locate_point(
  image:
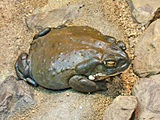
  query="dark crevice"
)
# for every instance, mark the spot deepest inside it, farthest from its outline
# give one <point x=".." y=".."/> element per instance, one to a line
<point x="156" y="16"/>
<point x="133" y="116"/>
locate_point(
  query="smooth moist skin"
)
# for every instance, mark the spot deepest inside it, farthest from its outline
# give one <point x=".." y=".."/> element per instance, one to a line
<point x="65" y="57"/>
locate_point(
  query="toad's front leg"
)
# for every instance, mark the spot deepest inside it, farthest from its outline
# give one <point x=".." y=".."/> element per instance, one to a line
<point x="82" y="84"/>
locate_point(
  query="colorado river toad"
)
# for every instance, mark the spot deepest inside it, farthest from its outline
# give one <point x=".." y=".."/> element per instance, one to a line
<point x="65" y="57"/>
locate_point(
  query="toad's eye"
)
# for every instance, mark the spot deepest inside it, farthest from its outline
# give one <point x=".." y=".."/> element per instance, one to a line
<point x="109" y="63"/>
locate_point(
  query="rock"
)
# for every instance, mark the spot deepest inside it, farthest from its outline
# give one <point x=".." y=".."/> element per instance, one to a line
<point x="147" y="91"/>
<point x="67" y="105"/>
<point x="144" y="11"/>
<point x="15" y="96"/>
<point x="122" y="108"/>
<point x="53" y="18"/>
<point x="147" y="51"/>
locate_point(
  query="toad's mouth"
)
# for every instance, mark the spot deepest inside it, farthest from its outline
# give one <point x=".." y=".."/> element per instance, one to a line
<point x="108" y="72"/>
<point x="100" y="76"/>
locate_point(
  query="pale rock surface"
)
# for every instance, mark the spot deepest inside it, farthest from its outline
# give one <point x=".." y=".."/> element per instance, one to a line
<point x="15" y="97"/>
<point x="122" y="108"/>
<point x="53" y="18"/>
<point x="147" y="91"/>
<point x="147" y="51"/>
<point x="144" y="11"/>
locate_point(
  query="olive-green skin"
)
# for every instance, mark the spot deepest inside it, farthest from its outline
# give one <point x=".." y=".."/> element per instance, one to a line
<point x="77" y="50"/>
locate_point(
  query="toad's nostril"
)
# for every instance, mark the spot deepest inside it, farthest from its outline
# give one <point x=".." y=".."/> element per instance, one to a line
<point x="121" y="62"/>
<point x="124" y="63"/>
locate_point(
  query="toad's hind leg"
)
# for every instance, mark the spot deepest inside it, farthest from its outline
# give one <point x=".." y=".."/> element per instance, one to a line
<point x="82" y="84"/>
<point x="22" y="69"/>
<point x="46" y="31"/>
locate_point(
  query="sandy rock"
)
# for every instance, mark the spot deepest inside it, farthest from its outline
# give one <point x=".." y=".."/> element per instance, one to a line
<point x="15" y="96"/>
<point x="122" y="108"/>
<point x="144" y="11"/>
<point x="147" y="51"/>
<point x="147" y="91"/>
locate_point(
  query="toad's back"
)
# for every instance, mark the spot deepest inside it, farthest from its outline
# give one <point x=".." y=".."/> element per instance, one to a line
<point x="55" y="55"/>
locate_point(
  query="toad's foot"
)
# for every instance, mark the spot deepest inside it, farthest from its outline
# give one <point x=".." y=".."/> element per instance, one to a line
<point x="22" y="69"/>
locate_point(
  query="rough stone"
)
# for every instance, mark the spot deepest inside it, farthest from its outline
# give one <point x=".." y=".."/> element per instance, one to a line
<point x="53" y="18"/>
<point x="67" y="105"/>
<point x="15" y="97"/>
<point x="147" y="51"/>
<point x="147" y="91"/>
<point x="122" y="108"/>
<point x="145" y="11"/>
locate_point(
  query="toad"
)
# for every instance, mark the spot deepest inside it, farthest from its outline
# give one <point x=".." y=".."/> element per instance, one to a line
<point x="72" y="57"/>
